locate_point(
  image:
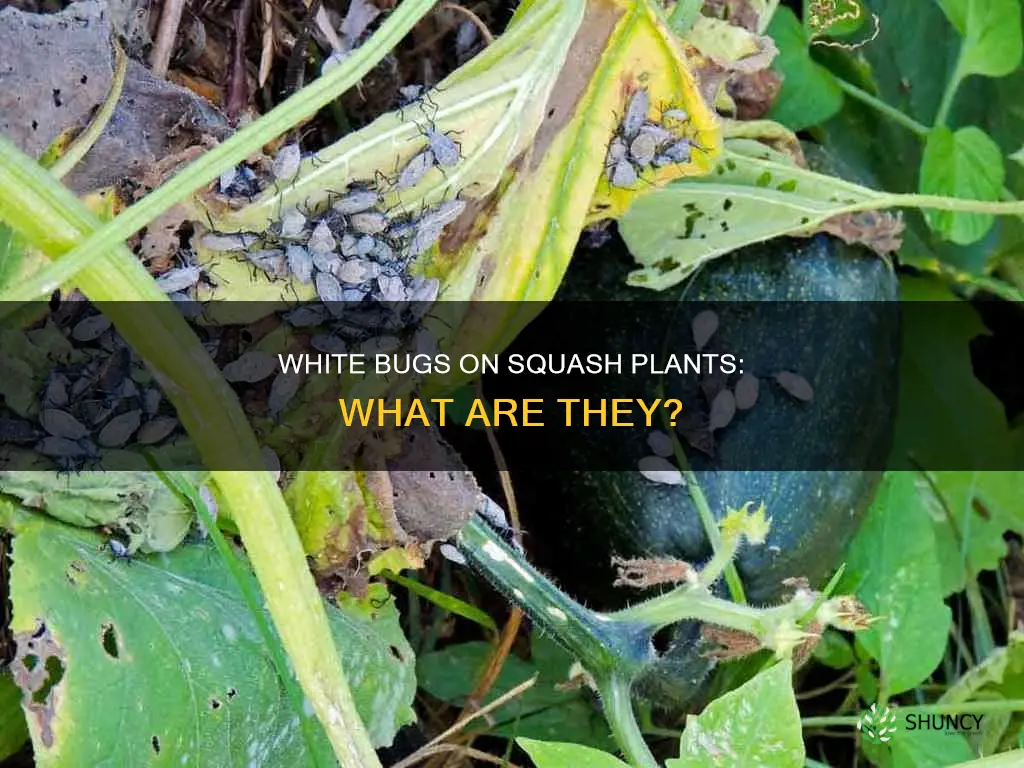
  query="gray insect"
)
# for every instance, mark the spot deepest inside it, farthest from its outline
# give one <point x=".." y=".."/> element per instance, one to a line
<point x="226" y="243"/>
<point x="382" y="251"/>
<point x="326" y="262"/>
<point x="446" y="150"/>
<point x="255" y="365"/>
<point x="659" y="134"/>
<point x="272" y="262"/>
<point x="443" y="214"/>
<point x="681" y="151"/>
<point x="187" y="306"/>
<point x="91" y="328"/>
<point x="328" y="344"/>
<point x="156" y="429"/>
<point x="424" y="289"/>
<point x="643" y="148"/>
<point x="328" y="288"/>
<point x="415" y="169"/>
<point x="308" y="316"/>
<point x="348" y="245"/>
<point x="151" y="401"/>
<point x="622" y="174"/>
<point x="353" y="294"/>
<point x="119" y="429"/>
<point x="322" y="240"/>
<point x="66" y="448"/>
<point x="392" y="288"/>
<point x="271" y="461"/>
<point x="227" y="180"/>
<point x="181" y="279"/>
<point x="293" y="224"/>
<point x="282" y="390"/>
<point x="636" y="113"/>
<point x="18" y="432"/>
<point x="451" y="554"/>
<point x="676" y="113"/>
<point x="286" y="162"/>
<point x="365" y="246"/>
<point x="300" y="263"/>
<point x="62" y="424"/>
<point x="357" y="201"/>
<point x="353" y="271"/>
<point x="369" y="222"/>
<point x="55" y="393"/>
<point x="119" y="551"/>
<point x="426" y="236"/>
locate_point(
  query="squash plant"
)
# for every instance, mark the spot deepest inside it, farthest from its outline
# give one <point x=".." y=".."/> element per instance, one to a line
<point x="537" y="113"/>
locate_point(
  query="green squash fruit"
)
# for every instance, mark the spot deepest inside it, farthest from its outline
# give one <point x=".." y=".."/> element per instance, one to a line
<point x="577" y="520"/>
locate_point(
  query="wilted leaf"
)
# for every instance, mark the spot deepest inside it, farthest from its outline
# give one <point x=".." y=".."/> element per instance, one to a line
<point x="136" y="504"/>
<point x="893" y="566"/>
<point x="172" y="635"/>
<point x="796" y="386"/>
<point x="756" y="724"/>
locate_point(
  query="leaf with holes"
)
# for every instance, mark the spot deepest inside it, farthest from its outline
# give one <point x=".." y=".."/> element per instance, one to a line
<point x="756" y="724"/>
<point x="962" y="164"/>
<point x="748" y="199"/>
<point x="169" y="643"/>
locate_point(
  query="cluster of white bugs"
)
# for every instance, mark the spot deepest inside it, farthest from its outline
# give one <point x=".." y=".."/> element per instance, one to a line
<point x="640" y="143"/>
<point x="102" y="397"/>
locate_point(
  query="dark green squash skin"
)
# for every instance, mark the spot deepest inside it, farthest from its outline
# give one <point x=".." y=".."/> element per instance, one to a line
<point x="577" y="521"/>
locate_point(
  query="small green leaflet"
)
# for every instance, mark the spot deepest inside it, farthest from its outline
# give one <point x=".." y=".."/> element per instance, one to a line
<point x="557" y="754"/>
<point x="991" y="31"/>
<point x="892" y="563"/>
<point x="748" y="199"/>
<point x="965" y="164"/>
<point x="919" y="749"/>
<point x="756" y="726"/>
<point x="809" y="93"/>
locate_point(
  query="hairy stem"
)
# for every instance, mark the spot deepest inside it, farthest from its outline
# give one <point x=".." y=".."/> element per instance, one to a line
<point x="618" y="709"/>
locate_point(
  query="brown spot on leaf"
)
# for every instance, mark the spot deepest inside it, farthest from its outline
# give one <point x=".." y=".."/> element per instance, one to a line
<point x="38" y="669"/>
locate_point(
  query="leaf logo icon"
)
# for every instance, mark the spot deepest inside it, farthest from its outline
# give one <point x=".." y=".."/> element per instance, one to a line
<point x="877" y="726"/>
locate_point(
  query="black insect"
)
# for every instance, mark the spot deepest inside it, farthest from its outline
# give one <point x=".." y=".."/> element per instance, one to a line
<point x="119" y="552"/>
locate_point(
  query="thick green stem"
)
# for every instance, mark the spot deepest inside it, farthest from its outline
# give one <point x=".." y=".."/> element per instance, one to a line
<point x="618" y="709"/>
<point x="52" y="219"/>
<point x="603" y="646"/>
<point x="695" y="602"/>
<point x="950" y="93"/>
<point x="886" y="109"/>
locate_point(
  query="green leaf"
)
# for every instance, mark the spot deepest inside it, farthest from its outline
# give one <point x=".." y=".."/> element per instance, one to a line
<point x="171" y="636"/>
<point x="443" y="600"/>
<point x="964" y="164"/>
<point x="992" y="35"/>
<point x="892" y="564"/>
<point x="541" y="712"/>
<point x="12" y="254"/>
<point x="756" y="726"/>
<point x="809" y="93"/>
<point x="555" y="754"/>
<point x="834" y="651"/>
<point x="920" y="748"/>
<point x="137" y="505"/>
<point x="946" y="417"/>
<point x="13" y="730"/>
<point x="971" y="512"/>
<point x="749" y="199"/>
